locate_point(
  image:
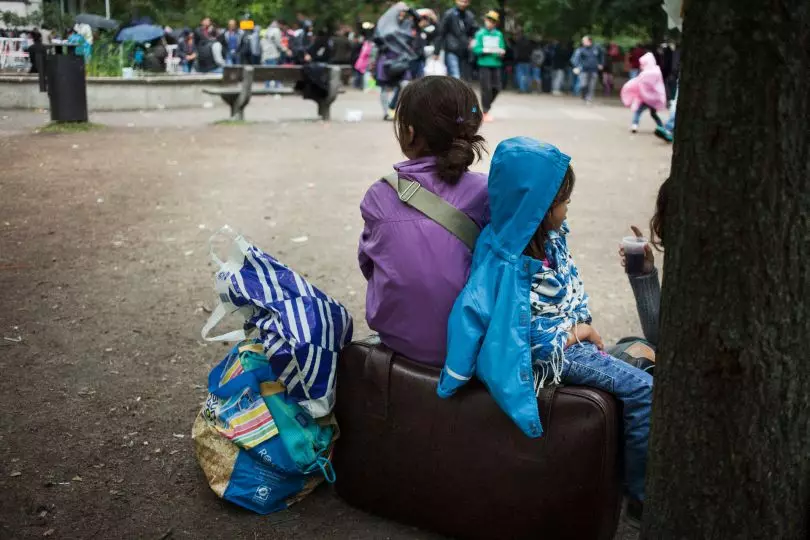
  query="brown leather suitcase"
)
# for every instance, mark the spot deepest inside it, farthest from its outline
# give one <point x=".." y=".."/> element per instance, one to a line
<point x="460" y="467"/>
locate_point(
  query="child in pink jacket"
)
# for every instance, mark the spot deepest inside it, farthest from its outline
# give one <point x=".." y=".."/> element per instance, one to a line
<point x="646" y="91"/>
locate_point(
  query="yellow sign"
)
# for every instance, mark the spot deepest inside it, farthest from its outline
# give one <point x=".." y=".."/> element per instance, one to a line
<point x="246" y="25"/>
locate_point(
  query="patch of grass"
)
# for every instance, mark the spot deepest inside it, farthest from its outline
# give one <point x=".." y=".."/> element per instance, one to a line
<point x="230" y="122"/>
<point x="70" y="127"/>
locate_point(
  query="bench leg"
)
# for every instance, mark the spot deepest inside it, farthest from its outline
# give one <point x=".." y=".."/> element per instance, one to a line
<point x="238" y="111"/>
<point x="325" y="105"/>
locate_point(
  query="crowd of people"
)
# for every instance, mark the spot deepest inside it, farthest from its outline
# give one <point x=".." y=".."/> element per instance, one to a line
<point x="462" y="46"/>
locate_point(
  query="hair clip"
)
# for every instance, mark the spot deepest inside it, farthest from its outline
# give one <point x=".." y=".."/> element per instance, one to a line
<point x="475" y="110"/>
<point x="459" y="120"/>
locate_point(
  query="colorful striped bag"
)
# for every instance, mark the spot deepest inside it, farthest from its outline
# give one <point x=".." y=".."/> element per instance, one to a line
<point x="302" y="329"/>
<point x="259" y="448"/>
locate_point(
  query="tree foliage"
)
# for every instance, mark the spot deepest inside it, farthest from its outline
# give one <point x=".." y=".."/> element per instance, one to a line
<point x="559" y="18"/>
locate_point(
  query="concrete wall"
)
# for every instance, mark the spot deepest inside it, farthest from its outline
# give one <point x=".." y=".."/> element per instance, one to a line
<point x="114" y="94"/>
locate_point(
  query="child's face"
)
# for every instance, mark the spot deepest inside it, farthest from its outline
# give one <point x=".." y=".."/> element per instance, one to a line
<point x="489" y="23"/>
<point x="555" y="218"/>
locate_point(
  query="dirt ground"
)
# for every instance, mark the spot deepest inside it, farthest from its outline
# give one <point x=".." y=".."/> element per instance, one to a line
<point x="106" y="282"/>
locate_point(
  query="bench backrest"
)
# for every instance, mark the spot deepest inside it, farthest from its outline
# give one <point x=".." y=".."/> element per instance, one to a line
<point x="288" y="74"/>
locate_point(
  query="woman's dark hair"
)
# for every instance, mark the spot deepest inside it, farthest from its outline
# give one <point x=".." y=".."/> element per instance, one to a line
<point x="445" y="116"/>
<point x="657" y="222"/>
<point x="536" y="248"/>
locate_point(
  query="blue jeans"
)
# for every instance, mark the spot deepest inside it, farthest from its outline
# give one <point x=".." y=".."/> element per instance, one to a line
<point x="523" y="75"/>
<point x="574" y="82"/>
<point x="653" y="113"/>
<point x="587" y="84"/>
<point x="418" y="68"/>
<point x="585" y="365"/>
<point x="453" y="65"/>
<point x="670" y="125"/>
<point x="537" y="77"/>
<point x="271" y="62"/>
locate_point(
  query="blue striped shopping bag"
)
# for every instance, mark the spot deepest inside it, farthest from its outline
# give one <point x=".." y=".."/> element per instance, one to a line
<point x="301" y="328"/>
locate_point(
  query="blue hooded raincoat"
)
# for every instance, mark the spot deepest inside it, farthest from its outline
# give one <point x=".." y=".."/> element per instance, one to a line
<point x="488" y="332"/>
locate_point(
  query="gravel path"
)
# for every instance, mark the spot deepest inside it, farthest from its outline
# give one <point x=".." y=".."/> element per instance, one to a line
<point x="106" y="283"/>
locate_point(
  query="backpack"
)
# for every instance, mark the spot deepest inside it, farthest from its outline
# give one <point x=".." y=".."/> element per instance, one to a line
<point x="538" y="57"/>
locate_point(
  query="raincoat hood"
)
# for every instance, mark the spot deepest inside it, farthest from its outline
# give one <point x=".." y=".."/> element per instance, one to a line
<point x="524" y="179"/>
<point x="393" y="33"/>
<point x="648" y="88"/>
<point x="489" y="328"/>
<point x="647" y="61"/>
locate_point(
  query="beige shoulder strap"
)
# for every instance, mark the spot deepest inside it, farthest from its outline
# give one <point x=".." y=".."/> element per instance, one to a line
<point x="435" y="208"/>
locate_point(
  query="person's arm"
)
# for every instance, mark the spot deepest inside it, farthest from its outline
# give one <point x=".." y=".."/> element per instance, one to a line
<point x="441" y="33"/>
<point x="575" y="58"/>
<point x="647" y="290"/>
<point x="216" y="51"/>
<point x="472" y="24"/>
<point x="503" y="43"/>
<point x="478" y="45"/>
<point x="465" y="334"/>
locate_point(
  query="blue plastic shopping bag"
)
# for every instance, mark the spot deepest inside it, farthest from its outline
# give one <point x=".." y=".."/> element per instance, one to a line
<point x="257" y="447"/>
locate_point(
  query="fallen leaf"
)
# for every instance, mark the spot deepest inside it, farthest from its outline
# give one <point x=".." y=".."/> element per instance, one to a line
<point x="49" y="532"/>
<point x="15" y="473"/>
<point x="300" y="239"/>
<point x="77" y="478"/>
<point x="178" y="436"/>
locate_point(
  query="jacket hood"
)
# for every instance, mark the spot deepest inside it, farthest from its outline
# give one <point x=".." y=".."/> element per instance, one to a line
<point x="524" y="178"/>
<point x="647" y="61"/>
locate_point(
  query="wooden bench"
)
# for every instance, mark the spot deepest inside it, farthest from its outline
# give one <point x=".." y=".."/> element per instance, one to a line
<point x="238" y="88"/>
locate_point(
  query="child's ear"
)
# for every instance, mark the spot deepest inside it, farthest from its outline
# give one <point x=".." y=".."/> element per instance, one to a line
<point x="411" y="136"/>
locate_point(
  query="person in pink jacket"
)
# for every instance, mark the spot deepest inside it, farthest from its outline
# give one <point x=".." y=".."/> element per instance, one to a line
<point x="647" y="91"/>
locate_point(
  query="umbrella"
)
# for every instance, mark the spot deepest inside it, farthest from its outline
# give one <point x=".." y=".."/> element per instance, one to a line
<point x="141" y="33"/>
<point x="96" y="21"/>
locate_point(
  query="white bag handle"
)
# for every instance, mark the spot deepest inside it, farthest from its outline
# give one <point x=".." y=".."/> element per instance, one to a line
<point x="239" y="250"/>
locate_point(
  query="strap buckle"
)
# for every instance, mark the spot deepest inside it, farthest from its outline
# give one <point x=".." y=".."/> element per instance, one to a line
<point x="409" y="191"/>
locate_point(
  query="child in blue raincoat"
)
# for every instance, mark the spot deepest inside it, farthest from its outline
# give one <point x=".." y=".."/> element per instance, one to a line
<point x="523" y="320"/>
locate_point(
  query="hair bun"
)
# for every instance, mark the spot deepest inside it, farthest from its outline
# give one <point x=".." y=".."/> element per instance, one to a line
<point x="458" y="158"/>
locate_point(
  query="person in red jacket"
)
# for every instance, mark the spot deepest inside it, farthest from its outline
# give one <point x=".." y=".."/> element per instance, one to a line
<point x="633" y="58"/>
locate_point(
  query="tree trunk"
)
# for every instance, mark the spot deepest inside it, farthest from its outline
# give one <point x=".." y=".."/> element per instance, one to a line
<point x="729" y="455"/>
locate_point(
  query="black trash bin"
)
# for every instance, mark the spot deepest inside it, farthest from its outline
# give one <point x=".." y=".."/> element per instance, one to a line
<point x="67" y="85"/>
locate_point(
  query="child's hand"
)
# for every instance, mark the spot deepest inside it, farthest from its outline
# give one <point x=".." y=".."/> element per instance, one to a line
<point x="649" y="257"/>
<point x="584" y="332"/>
<point x="596" y="339"/>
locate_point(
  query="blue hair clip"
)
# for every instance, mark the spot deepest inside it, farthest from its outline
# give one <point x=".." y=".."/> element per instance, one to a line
<point x="475" y="110"/>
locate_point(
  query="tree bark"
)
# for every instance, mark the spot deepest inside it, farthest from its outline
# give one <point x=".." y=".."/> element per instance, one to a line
<point x="730" y="448"/>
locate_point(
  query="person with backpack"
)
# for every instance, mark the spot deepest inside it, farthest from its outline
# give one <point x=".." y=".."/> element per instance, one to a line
<point x="393" y="56"/>
<point x="455" y="34"/>
<point x="489" y="48"/>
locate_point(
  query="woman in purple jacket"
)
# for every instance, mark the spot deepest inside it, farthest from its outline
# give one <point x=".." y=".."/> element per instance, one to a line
<point x="414" y="267"/>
